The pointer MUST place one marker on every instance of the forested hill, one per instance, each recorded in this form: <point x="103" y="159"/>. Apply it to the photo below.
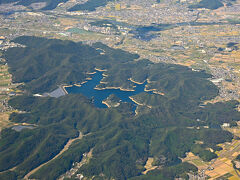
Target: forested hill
<point x="44" y="63"/>
<point x="90" y="5"/>
<point x="50" y="4"/>
<point x="208" y="4"/>
<point x="165" y="128"/>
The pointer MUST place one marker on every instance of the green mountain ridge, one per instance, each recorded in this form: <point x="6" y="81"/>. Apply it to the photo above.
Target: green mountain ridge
<point x="121" y="141"/>
<point x="90" y="5"/>
<point x="208" y="4"/>
<point x="50" y="4"/>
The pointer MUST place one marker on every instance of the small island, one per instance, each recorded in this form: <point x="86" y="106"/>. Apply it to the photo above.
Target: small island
<point x="112" y="101"/>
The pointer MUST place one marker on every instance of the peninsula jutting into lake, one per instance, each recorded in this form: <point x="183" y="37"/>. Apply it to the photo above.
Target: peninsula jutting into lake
<point x="90" y="90"/>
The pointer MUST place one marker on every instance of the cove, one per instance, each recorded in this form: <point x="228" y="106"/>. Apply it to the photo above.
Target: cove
<point x="87" y="89"/>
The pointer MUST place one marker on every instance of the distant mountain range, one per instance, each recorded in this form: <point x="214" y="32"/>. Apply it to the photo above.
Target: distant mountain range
<point x="50" y="4"/>
<point x="91" y="5"/>
<point x="210" y="4"/>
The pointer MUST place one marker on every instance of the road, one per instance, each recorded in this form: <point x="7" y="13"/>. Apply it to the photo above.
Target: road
<point x="26" y="177"/>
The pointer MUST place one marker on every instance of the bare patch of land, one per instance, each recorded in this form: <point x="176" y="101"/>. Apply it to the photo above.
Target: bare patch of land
<point x="149" y="165"/>
<point x="4" y="121"/>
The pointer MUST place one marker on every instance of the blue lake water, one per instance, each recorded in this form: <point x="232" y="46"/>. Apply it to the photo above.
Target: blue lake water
<point x="87" y="89"/>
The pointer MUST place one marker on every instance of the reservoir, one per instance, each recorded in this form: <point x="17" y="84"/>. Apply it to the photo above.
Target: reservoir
<point x="87" y="89"/>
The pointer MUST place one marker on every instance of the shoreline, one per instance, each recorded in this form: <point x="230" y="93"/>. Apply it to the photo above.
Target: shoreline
<point x="120" y="88"/>
<point x="155" y="91"/>
<point x="108" y="105"/>
<point x="159" y="93"/>
<point x="130" y="79"/>
<point x="94" y="72"/>
<point x="138" y="103"/>
<point x="78" y="85"/>
<point x="63" y="87"/>
<point x="135" y="101"/>
<point x="104" y="102"/>
<point x="64" y="90"/>
<point x="148" y="81"/>
<point x="101" y="70"/>
<point x="103" y="82"/>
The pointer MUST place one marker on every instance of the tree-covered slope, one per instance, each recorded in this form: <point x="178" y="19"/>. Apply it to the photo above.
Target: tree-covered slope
<point x="44" y="64"/>
<point x="90" y="5"/>
<point x="50" y="4"/>
<point x="165" y="128"/>
<point x="208" y="4"/>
